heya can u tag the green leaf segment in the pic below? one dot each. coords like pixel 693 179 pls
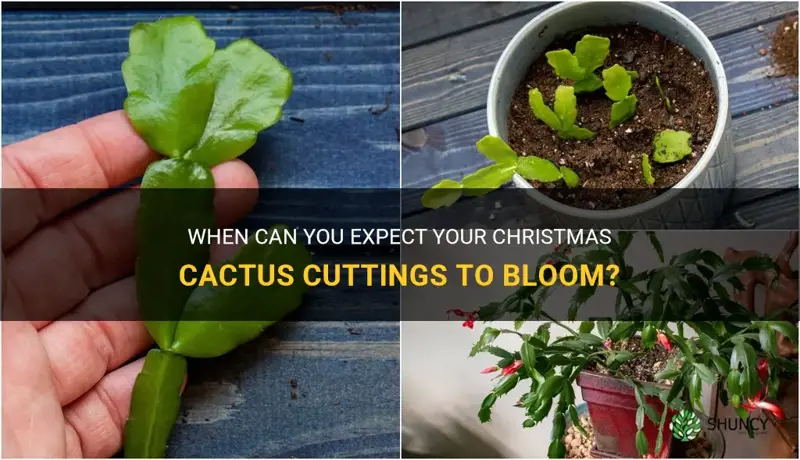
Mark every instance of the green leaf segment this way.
pixel 646 170
pixel 617 82
pixel 198 106
pixel 590 53
pixel 562 119
pixel 484 180
pixel 671 146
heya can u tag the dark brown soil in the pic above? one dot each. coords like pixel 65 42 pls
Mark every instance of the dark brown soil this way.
pixel 784 46
pixel 613 158
pixel 643 367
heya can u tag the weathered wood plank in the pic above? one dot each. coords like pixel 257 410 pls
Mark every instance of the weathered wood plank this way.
pixel 57 74
pixel 749 86
pixel 426 21
pixel 211 19
pixel 777 211
pixel 241 405
pixel 451 76
pixel 720 18
pixel 765 146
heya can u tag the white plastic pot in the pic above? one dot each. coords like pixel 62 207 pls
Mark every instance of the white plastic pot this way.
pixel 694 202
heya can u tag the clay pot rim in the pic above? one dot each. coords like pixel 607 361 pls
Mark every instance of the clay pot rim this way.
pixel 608 376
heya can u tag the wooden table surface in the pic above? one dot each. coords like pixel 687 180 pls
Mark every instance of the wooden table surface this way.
pixel 62 67
pixel 450 50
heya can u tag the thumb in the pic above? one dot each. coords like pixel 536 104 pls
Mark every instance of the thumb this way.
pixel 95 422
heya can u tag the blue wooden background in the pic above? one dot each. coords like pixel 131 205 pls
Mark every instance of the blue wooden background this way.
pixel 450 50
pixel 62 67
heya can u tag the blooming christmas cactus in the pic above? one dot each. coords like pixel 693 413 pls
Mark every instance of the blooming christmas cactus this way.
pixel 655 308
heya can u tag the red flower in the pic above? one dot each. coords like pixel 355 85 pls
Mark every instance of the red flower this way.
pixel 607 344
pixel 470 322
pixel 763 368
pixel 664 341
pixel 490 369
pixel 548 262
pixel 566 249
pixel 758 402
pixel 470 315
pixel 511 368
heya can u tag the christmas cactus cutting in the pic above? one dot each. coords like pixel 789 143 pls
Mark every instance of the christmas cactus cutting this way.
pixel 198 106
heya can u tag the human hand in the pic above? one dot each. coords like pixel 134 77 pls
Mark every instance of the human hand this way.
pixel 778 295
pixel 67 382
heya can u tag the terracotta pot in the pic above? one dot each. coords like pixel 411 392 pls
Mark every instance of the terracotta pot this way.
pixel 612 408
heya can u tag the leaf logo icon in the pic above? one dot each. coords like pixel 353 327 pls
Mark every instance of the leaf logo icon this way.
pixel 685 425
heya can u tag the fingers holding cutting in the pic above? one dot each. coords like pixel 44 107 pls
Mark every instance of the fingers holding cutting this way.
pixel 95 422
pixel 81 159
pixel 95 246
pixel 82 352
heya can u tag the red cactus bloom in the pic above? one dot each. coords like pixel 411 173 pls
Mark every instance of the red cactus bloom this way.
pixel 470 321
pixel 763 368
pixel 607 344
pixel 664 341
pixel 469 315
pixel 563 249
pixel 758 402
pixel 511 368
pixel 490 369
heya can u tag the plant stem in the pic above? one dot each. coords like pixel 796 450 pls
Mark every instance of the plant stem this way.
pixel 620 256
pixel 734 335
pixel 544 313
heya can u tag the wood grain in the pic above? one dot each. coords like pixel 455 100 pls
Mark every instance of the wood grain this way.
pixel 424 22
pixel 451 76
pixel 59 69
pixel 345 404
pixel 765 145
pixel 777 211
pixel 719 18
pixel 427 21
